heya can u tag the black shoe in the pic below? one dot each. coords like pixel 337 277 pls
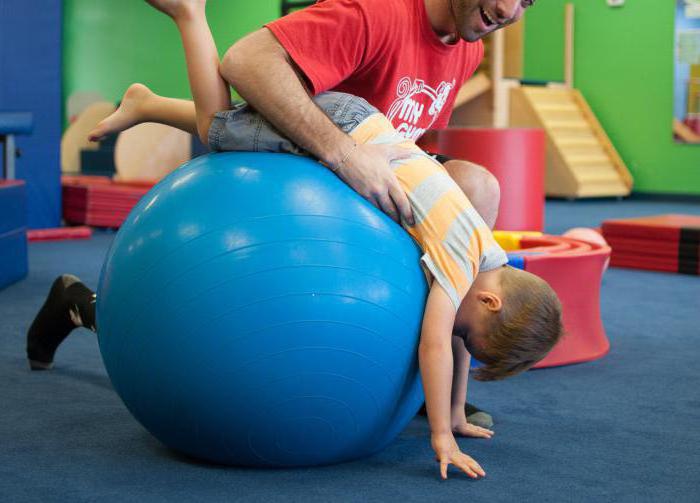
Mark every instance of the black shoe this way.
pixel 475 416
pixel 57 318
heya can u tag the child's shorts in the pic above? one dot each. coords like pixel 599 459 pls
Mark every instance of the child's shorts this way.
pixel 242 128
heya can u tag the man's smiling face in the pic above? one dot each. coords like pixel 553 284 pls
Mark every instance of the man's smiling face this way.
pixel 473 19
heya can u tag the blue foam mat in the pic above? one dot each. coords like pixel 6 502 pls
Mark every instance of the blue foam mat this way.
pixel 13 207
pixel 13 256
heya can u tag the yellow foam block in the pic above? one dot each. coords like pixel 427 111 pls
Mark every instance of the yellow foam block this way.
pixel 510 240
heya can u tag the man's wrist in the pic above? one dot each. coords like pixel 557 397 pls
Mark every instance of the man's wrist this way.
pixel 340 152
pixel 345 158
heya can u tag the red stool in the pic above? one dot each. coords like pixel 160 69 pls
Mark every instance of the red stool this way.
pixel 575 274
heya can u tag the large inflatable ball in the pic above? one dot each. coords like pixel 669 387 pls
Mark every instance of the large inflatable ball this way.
pixel 254 310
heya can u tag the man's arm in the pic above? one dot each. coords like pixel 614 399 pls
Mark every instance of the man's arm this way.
pixel 435 357
pixel 262 72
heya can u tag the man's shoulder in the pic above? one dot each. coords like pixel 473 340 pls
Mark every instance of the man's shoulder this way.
pixel 383 9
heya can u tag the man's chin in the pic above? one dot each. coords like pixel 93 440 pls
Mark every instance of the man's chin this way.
pixel 471 36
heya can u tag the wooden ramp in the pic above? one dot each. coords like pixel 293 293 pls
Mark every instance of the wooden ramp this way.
pixel 581 160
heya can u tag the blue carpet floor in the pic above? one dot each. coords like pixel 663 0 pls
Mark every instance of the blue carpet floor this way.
pixel 623 428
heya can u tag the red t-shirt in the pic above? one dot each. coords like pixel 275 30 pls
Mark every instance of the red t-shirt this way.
pixel 384 51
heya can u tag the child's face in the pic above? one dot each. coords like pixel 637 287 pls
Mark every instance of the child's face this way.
pixel 475 344
pixel 475 313
pixel 470 325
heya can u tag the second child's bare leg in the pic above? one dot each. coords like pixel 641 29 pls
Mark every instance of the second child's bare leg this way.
pixel 210 91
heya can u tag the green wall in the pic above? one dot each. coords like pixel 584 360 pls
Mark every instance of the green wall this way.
pixel 624 68
pixel 109 44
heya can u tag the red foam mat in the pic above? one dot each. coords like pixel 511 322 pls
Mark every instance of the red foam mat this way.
pixel 645 247
pixel 665 264
pixel 659 227
pixel 98 201
pixel 85 180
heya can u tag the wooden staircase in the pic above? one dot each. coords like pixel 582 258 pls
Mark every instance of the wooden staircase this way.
pixel 581 160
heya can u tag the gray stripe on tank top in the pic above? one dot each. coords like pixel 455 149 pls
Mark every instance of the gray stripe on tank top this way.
pixel 387 138
pixel 493 257
pixel 442 280
pixel 459 235
pixel 428 192
pixel 395 138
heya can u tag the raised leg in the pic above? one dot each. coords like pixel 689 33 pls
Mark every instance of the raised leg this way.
pixel 210 91
pixel 140 104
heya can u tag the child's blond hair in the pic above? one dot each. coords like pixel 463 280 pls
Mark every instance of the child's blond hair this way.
pixel 526 328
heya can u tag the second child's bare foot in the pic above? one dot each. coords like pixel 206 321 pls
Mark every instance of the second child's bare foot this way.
pixel 177 8
pixel 129 113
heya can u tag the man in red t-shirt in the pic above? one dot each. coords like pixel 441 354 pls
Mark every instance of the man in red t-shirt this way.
pixel 408 58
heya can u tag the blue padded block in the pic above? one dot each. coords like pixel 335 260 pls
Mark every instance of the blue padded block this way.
pixel 13 232
pixel 13 256
pixel 30 81
pixel 516 261
pixel 13 206
pixel 16 123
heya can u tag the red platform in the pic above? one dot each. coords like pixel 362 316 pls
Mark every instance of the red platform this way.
pixel 516 157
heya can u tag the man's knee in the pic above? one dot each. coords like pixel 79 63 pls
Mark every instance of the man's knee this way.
pixel 487 183
pixel 480 186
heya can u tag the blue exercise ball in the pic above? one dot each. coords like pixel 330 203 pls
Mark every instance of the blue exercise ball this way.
pixel 254 310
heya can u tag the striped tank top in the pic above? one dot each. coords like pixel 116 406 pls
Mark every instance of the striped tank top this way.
pixel 456 241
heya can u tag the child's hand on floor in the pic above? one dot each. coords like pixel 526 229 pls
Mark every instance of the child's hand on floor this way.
pixel 447 452
pixel 471 430
pixel 461 427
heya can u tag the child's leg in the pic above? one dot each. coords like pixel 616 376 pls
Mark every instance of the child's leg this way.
pixel 140 104
pixel 69 304
pixel 211 93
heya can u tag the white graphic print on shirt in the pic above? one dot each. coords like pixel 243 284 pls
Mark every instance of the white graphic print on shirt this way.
pixel 407 113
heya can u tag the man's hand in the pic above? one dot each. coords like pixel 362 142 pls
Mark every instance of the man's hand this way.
pixel 263 73
pixel 367 171
pixel 447 452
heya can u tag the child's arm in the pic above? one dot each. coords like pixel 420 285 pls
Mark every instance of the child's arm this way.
pixel 435 357
pixel 460 426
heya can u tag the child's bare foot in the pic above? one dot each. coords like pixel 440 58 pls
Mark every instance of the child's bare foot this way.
pixel 177 8
pixel 129 113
